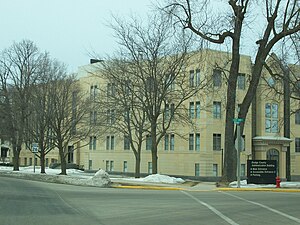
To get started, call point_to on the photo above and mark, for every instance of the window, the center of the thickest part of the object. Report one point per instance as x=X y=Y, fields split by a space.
x=172 y=142
x=217 y=78
x=111 y=90
x=111 y=118
x=148 y=142
x=217 y=110
x=197 y=78
x=215 y=170
x=191 y=142
x=241 y=82
x=150 y=167
x=169 y=111
x=90 y=164
x=111 y=166
x=197 y=143
x=197 y=110
x=93 y=92
x=194 y=113
x=93 y=118
x=107 y=165
x=166 y=142
x=169 y=142
x=170 y=81
x=197 y=169
x=297 y=144
x=125 y=167
x=128 y=87
x=216 y=142
x=192 y=110
x=192 y=77
x=30 y=161
x=297 y=117
x=194 y=142
x=126 y=142
x=243 y=170
x=93 y=142
x=150 y=84
x=25 y=162
x=110 y=142
x=271 y=114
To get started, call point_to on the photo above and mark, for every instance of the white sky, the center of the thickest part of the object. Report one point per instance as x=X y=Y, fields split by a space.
x=68 y=29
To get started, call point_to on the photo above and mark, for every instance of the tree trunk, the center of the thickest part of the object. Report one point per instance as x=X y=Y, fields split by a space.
x=42 y=160
x=154 y=149
x=137 y=166
x=63 y=163
x=16 y=158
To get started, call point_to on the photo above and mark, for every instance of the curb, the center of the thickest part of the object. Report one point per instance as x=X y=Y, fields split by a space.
x=258 y=189
x=149 y=187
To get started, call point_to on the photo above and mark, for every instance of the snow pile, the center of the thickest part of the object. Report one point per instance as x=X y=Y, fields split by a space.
x=290 y=184
x=158 y=178
x=244 y=184
x=100 y=179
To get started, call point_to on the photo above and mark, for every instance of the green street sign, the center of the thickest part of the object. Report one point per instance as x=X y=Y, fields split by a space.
x=238 y=120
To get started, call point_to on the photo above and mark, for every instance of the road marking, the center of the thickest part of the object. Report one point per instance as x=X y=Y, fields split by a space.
x=217 y=212
x=265 y=207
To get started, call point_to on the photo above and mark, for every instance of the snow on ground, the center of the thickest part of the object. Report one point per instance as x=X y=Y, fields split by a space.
x=158 y=178
x=75 y=177
x=243 y=184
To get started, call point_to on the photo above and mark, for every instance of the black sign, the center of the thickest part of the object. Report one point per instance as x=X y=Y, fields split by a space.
x=261 y=171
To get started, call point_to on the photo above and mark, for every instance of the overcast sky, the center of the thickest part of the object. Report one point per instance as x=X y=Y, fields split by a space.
x=68 y=29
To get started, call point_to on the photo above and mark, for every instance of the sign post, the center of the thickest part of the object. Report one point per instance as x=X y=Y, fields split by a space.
x=35 y=149
x=239 y=148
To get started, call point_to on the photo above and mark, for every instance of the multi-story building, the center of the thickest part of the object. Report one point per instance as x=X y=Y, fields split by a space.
x=198 y=150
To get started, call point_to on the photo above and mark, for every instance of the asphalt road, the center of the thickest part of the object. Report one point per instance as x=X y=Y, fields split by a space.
x=25 y=202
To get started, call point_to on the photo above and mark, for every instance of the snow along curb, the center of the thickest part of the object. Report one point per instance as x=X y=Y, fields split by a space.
x=259 y=189
x=96 y=181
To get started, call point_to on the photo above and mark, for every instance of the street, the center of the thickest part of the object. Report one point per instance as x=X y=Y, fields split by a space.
x=25 y=202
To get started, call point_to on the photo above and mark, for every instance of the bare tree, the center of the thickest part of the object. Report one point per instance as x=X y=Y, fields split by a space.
x=281 y=20
x=70 y=110
x=38 y=129
x=21 y=67
x=153 y=85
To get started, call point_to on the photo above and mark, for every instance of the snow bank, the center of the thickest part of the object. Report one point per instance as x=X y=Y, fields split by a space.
x=158 y=178
x=100 y=179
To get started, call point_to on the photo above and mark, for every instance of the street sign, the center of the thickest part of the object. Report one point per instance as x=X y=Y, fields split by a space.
x=35 y=147
x=261 y=171
x=236 y=145
x=238 y=120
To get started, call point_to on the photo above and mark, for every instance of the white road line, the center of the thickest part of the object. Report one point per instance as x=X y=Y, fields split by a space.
x=218 y=213
x=266 y=207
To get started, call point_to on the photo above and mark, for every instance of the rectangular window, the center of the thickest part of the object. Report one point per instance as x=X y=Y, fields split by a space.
x=191 y=142
x=297 y=144
x=197 y=110
x=166 y=142
x=215 y=170
x=125 y=167
x=167 y=112
x=172 y=142
x=93 y=92
x=94 y=142
x=47 y=162
x=297 y=117
x=107 y=165
x=197 y=142
x=216 y=142
x=111 y=166
x=192 y=110
x=111 y=90
x=126 y=142
x=217 y=110
x=25 y=162
x=243 y=170
x=170 y=81
x=271 y=117
x=197 y=169
x=241 y=82
x=217 y=78
x=148 y=142
x=91 y=143
x=110 y=142
x=90 y=164
x=197 y=78
x=93 y=118
x=150 y=167
x=192 y=78
x=30 y=161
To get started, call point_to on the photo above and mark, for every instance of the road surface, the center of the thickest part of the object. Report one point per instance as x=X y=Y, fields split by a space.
x=24 y=202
